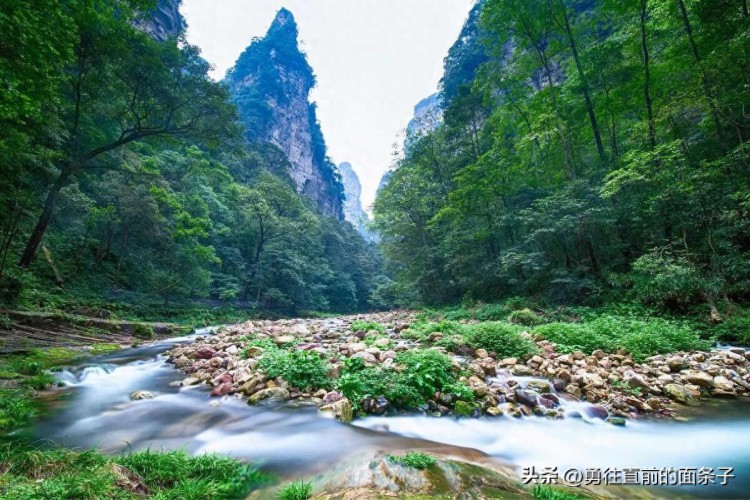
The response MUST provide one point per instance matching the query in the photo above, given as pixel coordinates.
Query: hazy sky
(374, 60)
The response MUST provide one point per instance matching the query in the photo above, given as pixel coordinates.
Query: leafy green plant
(414, 459)
(99, 349)
(302, 369)
(366, 326)
(39, 381)
(5, 322)
(298, 490)
(504, 339)
(525, 317)
(463, 409)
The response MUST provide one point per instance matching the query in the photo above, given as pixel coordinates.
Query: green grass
(99, 349)
(29, 472)
(15, 407)
(414, 459)
(298, 490)
(543, 492)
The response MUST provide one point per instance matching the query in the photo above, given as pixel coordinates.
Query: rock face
(428, 115)
(271, 83)
(353, 211)
(164, 21)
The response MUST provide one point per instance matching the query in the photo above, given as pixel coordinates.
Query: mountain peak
(284, 18)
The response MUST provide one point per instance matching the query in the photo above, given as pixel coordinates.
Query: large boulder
(270, 395)
(204, 352)
(341, 410)
(697, 377)
(681, 394)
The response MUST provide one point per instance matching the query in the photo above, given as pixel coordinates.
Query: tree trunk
(697, 58)
(647, 76)
(35, 240)
(585, 86)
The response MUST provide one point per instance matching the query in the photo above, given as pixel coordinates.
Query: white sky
(374, 60)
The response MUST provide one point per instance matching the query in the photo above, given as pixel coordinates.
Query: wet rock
(618, 421)
(573, 390)
(547, 401)
(509, 361)
(250, 386)
(559, 384)
(527, 398)
(681, 394)
(494, 411)
(522, 371)
(271, 394)
(356, 347)
(481, 353)
(182, 362)
(375, 406)
(597, 411)
(140, 395)
(676, 363)
(341, 410)
(540, 386)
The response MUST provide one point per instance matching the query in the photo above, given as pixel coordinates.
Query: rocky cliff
(271, 83)
(164, 21)
(353, 211)
(428, 115)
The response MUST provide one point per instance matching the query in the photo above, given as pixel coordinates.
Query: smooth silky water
(94, 409)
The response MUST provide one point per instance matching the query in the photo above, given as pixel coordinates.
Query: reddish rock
(205, 353)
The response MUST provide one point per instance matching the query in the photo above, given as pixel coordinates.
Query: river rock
(368, 358)
(597, 411)
(676, 363)
(681, 394)
(697, 377)
(222, 389)
(634, 379)
(250, 386)
(481, 353)
(375, 406)
(383, 342)
(272, 394)
(332, 397)
(522, 371)
(723, 384)
(540, 386)
(341, 410)
(204, 353)
(524, 397)
(356, 347)
(140, 395)
(284, 339)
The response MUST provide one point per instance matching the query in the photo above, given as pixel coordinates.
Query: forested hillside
(126, 176)
(590, 151)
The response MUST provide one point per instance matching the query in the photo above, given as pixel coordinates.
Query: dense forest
(127, 177)
(589, 152)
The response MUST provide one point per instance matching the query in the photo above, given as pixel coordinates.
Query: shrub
(525, 317)
(40, 381)
(503, 339)
(640, 337)
(414, 459)
(426, 372)
(302, 369)
(491, 312)
(298, 490)
(734, 328)
(366, 326)
(5, 322)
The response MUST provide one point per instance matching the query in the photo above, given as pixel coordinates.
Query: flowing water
(95, 410)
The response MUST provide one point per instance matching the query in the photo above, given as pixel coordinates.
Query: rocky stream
(204, 392)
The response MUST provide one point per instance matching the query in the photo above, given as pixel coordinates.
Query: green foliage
(59, 473)
(302, 369)
(424, 373)
(414, 459)
(734, 328)
(5, 322)
(543, 492)
(571, 168)
(366, 326)
(641, 337)
(525, 317)
(15, 408)
(99, 349)
(297, 490)
(39, 381)
(504, 339)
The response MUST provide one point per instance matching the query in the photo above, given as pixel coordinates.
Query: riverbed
(94, 409)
